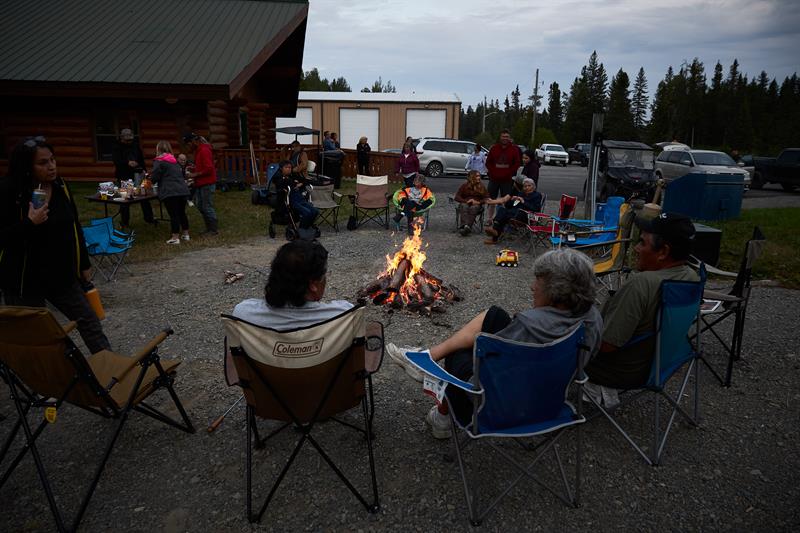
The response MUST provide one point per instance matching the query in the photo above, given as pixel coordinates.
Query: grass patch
(239, 221)
(780, 261)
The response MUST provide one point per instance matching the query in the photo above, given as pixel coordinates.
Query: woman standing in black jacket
(43, 255)
(362, 155)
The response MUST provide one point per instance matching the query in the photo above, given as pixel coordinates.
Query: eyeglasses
(32, 142)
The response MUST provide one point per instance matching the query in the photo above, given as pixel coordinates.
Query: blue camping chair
(117, 236)
(577, 232)
(106, 252)
(518, 390)
(679, 310)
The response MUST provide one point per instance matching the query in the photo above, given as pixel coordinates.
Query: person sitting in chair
(471, 195)
(515, 208)
(631, 313)
(294, 290)
(564, 288)
(413, 199)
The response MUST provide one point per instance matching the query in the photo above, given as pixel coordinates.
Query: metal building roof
(336, 96)
(180, 42)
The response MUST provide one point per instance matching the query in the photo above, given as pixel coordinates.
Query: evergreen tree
(597, 82)
(555, 111)
(340, 85)
(311, 81)
(379, 87)
(639, 102)
(619, 121)
(578, 120)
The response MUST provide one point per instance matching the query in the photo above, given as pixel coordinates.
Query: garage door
(303, 118)
(355, 123)
(425, 123)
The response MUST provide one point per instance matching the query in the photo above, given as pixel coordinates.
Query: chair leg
(468, 495)
(375, 507)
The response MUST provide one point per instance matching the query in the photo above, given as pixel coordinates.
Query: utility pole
(533, 106)
(483, 125)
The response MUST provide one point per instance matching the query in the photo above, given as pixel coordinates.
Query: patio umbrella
(296, 131)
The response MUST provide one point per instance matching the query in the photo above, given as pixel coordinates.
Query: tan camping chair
(44, 369)
(371, 200)
(302, 376)
(328, 202)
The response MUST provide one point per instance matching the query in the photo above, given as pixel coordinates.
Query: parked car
(393, 151)
(579, 153)
(552, 153)
(746, 163)
(627, 169)
(439, 156)
(784, 169)
(672, 164)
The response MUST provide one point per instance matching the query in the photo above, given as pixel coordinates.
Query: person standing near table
(172, 191)
(205, 180)
(43, 256)
(501, 164)
(128, 160)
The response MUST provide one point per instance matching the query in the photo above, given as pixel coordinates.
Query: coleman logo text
(298, 349)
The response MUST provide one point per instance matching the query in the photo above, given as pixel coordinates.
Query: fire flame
(412, 251)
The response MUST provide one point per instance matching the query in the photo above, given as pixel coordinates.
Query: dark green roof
(176, 42)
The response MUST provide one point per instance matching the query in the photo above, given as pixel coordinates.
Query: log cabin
(79, 72)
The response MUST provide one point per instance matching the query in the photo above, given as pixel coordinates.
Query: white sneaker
(174, 241)
(398, 356)
(439, 423)
(185, 237)
(605, 396)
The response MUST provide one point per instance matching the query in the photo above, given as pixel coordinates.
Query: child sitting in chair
(413, 199)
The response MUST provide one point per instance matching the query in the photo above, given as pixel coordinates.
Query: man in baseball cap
(664, 246)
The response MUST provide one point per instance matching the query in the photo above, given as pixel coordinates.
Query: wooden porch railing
(234, 164)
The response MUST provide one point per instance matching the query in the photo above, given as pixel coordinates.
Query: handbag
(352, 223)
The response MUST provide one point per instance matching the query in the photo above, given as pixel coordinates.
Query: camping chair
(733, 303)
(44, 369)
(328, 202)
(424, 213)
(518, 390)
(610, 256)
(518, 229)
(106, 252)
(477, 224)
(679, 308)
(302, 376)
(602, 231)
(543, 226)
(117, 236)
(371, 200)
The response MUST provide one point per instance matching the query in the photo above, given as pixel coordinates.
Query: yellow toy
(507, 258)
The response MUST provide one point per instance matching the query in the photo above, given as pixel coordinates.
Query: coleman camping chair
(301, 376)
(543, 226)
(371, 200)
(424, 214)
(45, 370)
(328, 202)
(678, 310)
(733, 303)
(518, 390)
(603, 231)
(610, 256)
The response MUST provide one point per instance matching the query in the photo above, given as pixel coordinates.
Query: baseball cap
(126, 134)
(674, 228)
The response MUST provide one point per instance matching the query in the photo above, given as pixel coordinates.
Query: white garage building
(386, 119)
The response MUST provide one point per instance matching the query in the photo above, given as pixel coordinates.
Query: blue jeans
(204, 199)
(304, 209)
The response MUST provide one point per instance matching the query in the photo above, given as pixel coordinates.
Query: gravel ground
(737, 471)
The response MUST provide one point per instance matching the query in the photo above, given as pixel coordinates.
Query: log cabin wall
(72, 126)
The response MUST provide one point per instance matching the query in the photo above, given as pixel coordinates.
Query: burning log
(425, 290)
(399, 277)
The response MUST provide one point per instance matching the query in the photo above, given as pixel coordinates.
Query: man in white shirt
(294, 290)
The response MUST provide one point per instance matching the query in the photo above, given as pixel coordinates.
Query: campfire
(405, 284)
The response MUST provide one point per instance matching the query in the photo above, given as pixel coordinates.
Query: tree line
(311, 80)
(757, 115)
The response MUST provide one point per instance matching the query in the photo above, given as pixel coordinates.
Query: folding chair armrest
(338, 197)
(709, 294)
(599, 244)
(423, 361)
(69, 326)
(352, 197)
(694, 262)
(150, 346)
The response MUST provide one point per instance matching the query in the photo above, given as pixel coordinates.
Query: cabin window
(244, 137)
(107, 125)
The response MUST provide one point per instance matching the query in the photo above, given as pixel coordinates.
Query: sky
(477, 48)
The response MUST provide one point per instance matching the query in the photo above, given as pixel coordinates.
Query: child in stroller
(290, 202)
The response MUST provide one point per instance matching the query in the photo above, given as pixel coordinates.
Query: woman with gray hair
(515, 208)
(563, 287)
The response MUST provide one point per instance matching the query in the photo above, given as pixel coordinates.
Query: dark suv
(580, 153)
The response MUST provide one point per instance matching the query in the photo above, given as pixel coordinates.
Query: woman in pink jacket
(408, 164)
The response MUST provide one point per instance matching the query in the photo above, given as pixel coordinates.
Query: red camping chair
(543, 226)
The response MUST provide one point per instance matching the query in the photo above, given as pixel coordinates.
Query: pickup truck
(580, 153)
(784, 169)
(552, 154)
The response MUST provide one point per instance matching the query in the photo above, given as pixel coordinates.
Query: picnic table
(130, 200)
